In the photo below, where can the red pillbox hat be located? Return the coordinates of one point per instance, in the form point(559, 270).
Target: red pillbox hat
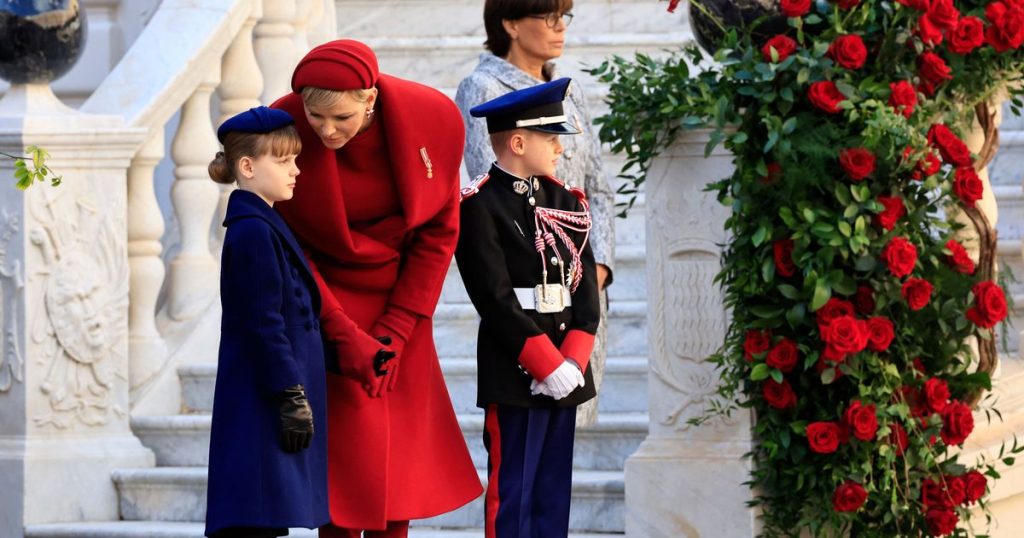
point(343, 64)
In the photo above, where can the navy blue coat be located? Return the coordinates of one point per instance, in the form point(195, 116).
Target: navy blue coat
point(270, 340)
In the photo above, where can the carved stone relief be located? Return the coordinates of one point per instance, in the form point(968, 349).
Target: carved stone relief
point(81, 331)
point(12, 362)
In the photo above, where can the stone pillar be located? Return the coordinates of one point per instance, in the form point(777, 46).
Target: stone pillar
point(687, 481)
point(64, 277)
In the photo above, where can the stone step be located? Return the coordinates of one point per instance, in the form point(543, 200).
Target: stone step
point(442, 62)
point(184, 440)
point(624, 388)
point(172, 529)
point(455, 329)
point(179, 494)
point(425, 18)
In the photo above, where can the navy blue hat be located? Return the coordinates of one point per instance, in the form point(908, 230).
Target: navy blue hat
point(538, 108)
point(260, 119)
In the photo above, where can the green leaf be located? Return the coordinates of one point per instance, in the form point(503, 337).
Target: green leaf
point(795, 316)
point(777, 376)
point(766, 312)
point(822, 293)
point(828, 375)
point(789, 292)
point(809, 215)
point(803, 76)
point(739, 138)
point(866, 264)
point(760, 372)
point(759, 236)
point(789, 125)
point(845, 228)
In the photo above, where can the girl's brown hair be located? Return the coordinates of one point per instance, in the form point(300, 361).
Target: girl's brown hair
point(495, 11)
point(279, 142)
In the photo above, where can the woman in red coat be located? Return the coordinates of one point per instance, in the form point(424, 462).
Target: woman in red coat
point(377, 214)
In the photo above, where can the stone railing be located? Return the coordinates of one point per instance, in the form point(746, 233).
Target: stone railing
point(82, 345)
point(242, 50)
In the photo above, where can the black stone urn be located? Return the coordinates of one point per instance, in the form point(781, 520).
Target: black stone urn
point(40, 40)
point(737, 14)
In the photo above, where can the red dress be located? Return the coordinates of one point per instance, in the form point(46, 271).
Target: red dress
point(379, 222)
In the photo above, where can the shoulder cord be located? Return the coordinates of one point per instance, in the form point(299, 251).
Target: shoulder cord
point(550, 223)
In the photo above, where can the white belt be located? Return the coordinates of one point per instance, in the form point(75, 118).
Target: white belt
point(554, 299)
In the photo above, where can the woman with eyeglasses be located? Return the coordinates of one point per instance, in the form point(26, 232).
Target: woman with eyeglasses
point(523, 37)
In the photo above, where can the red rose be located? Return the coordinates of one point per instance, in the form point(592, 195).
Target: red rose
point(953, 150)
point(933, 494)
point(862, 420)
point(783, 356)
point(848, 51)
point(898, 438)
point(927, 167)
point(974, 486)
point(893, 212)
point(859, 163)
point(943, 14)
point(783, 251)
point(847, 4)
point(864, 300)
point(795, 8)
point(846, 335)
point(783, 45)
point(936, 394)
point(755, 343)
point(902, 97)
point(880, 333)
point(1007, 29)
point(958, 258)
point(968, 35)
point(957, 423)
point(933, 69)
point(930, 34)
point(773, 175)
point(832, 309)
point(955, 489)
point(849, 497)
point(968, 186)
point(900, 256)
point(920, 5)
point(826, 96)
point(778, 395)
point(989, 304)
point(917, 292)
point(824, 437)
point(941, 521)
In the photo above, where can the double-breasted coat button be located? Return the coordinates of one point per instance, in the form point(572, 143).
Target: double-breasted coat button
point(303, 310)
point(298, 292)
point(554, 260)
point(561, 326)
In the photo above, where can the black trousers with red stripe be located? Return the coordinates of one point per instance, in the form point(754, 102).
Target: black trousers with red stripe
point(529, 471)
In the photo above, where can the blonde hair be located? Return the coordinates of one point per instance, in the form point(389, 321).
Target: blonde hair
point(279, 142)
point(312, 96)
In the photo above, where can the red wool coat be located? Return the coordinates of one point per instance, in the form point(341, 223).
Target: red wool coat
point(402, 456)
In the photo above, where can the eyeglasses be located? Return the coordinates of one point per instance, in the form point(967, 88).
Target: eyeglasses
point(551, 19)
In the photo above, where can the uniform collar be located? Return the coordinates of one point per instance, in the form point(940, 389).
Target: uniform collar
point(522, 186)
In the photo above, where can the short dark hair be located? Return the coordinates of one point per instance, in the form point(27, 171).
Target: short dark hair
point(495, 11)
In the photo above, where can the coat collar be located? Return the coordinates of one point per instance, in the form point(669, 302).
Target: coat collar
point(510, 75)
point(244, 204)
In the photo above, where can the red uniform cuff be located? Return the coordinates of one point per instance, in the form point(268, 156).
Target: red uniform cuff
point(540, 357)
point(578, 345)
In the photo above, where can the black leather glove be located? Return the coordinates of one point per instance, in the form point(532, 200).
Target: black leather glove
point(382, 356)
point(296, 419)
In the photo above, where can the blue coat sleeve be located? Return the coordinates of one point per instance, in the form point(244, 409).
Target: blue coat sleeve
point(253, 261)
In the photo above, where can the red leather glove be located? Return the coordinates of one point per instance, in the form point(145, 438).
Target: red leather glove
point(358, 355)
point(398, 324)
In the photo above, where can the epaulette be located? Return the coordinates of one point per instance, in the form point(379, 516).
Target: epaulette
point(576, 191)
point(474, 186)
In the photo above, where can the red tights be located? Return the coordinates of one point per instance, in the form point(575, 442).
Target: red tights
point(396, 529)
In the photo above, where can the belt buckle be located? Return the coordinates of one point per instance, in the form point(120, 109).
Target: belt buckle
point(549, 298)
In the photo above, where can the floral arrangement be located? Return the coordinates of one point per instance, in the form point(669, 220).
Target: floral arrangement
point(860, 268)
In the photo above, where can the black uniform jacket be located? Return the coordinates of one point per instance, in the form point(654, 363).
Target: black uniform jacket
point(496, 254)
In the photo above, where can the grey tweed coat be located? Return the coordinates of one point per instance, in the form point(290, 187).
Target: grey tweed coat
point(580, 165)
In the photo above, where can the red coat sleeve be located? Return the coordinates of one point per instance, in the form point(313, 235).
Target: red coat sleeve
point(349, 341)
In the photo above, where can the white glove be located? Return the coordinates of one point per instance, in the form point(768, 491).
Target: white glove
point(561, 382)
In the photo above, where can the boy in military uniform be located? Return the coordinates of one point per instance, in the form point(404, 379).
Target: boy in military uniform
point(524, 258)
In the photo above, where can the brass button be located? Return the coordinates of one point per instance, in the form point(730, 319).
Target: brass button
point(561, 326)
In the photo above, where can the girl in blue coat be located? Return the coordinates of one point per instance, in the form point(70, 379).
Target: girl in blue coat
point(268, 463)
